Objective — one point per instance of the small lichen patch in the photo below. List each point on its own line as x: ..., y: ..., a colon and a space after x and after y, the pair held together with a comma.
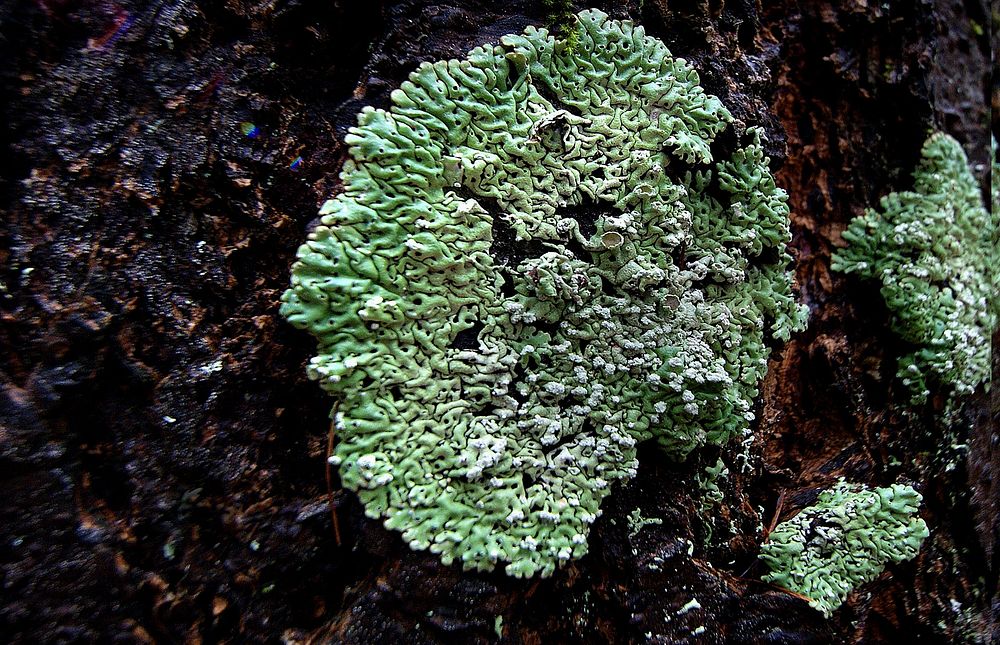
x: 537, y: 262
x: 637, y: 522
x: 843, y: 541
x: 995, y: 227
x: 710, y: 496
x: 690, y: 605
x: 932, y: 249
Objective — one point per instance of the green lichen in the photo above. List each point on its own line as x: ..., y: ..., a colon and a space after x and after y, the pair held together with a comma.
x: 637, y: 522
x: 843, y: 541
x: 708, y: 483
x: 536, y: 263
x: 932, y: 248
x: 995, y: 225
x: 710, y: 496
x: 994, y: 178
x: 561, y: 22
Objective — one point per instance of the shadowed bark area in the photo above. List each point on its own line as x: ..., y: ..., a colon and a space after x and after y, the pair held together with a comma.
x: 163, y: 453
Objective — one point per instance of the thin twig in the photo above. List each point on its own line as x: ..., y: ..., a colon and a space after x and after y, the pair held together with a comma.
x: 767, y: 534
x: 777, y: 514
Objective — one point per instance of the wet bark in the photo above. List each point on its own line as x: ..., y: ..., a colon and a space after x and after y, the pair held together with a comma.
x: 163, y: 454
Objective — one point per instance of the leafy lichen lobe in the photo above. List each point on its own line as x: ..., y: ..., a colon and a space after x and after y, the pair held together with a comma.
x: 536, y: 263
x: 932, y: 249
x: 843, y: 541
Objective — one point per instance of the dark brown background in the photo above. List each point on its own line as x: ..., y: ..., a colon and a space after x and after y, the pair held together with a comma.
x: 162, y: 453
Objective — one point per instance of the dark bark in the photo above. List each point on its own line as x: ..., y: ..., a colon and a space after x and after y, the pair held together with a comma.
x: 163, y: 453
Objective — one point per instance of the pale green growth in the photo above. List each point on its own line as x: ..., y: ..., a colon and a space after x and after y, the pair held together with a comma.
x: 535, y: 264
x: 708, y: 483
x: 710, y: 496
x: 995, y: 225
x: 994, y: 178
x: 845, y: 540
x: 932, y: 249
x: 637, y: 522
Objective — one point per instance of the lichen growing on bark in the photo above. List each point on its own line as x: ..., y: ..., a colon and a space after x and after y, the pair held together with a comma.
x: 933, y: 249
x: 843, y: 541
x: 995, y: 228
x: 536, y: 263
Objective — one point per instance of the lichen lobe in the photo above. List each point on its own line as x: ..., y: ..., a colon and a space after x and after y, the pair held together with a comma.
x: 843, y: 541
x: 932, y: 249
x: 590, y: 335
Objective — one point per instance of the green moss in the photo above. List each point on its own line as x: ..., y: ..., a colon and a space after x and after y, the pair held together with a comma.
x: 844, y: 541
x: 932, y: 249
x: 561, y: 23
x: 516, y: 286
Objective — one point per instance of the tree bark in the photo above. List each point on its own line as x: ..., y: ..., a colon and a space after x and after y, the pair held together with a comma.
x: 163, y: 454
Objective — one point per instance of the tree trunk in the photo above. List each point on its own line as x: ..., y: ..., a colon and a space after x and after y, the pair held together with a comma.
x: 164, y: 454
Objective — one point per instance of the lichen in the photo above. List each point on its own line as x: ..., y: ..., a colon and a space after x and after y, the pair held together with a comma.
x: 843, y: 541
x: 932, y: 249
x: 536, y: 263
x: 637, y: 522
x: 710, y: 496
x: 995, y: 226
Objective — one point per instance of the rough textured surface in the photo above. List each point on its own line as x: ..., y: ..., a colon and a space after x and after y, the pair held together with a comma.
x: 843, y: 541
x: 163, y: 452
x: 844, y: 64
x: 517, y: 286
x: 933, y: 251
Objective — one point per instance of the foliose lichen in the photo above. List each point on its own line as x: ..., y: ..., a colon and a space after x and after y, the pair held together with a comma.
x: 995, y: 226
x: 536, y: 263
x: 843, y: 541
x: 932, y: 249
x: 710, y: 496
